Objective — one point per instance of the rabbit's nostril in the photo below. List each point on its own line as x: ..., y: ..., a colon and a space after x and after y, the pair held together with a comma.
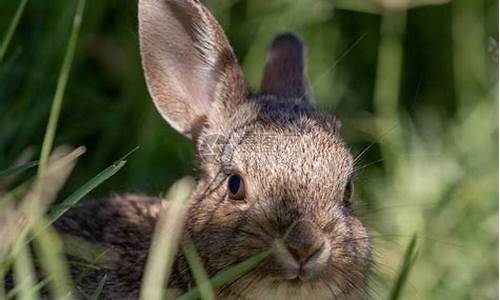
x: 302, y: 252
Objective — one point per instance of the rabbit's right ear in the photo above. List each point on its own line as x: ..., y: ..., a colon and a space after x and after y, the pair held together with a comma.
x: 188, y: 62
x: 284, y: 74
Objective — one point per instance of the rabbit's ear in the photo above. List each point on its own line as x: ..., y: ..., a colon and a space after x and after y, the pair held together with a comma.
x: 188, y: 62
x: 284, y: 72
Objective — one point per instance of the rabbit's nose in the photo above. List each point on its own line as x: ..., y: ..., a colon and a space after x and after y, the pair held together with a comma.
x: 302, y: 260
x: 304, y: 241
x: 302, y: 251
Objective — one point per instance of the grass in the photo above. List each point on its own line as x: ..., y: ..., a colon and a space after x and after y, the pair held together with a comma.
x: 12, y: 29
x: 402, y: 278
x: 166, y: 239
x: 200, y: 275
x: 50, y: 132
x: 415, y: 86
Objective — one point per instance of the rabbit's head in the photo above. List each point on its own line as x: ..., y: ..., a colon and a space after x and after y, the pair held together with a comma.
x: 271, y: 167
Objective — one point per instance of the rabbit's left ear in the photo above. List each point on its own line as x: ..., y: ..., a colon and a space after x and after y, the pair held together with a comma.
x: 284, y: 74
x: 188, y: 62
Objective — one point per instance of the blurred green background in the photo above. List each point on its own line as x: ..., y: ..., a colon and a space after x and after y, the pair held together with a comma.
x: 414, y: 82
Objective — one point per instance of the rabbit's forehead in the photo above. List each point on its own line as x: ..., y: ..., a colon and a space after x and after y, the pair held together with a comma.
x: 280, y: 141
x: 296, y: 155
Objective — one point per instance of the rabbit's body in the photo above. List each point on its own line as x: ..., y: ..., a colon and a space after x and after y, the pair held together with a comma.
x: 119, y: 231
x: 271, y: 167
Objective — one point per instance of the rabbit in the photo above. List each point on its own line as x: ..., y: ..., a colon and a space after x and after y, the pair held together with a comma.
x: 270, y: 166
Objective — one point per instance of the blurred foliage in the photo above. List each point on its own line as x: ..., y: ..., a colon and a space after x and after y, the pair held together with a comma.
x: 416, y: 89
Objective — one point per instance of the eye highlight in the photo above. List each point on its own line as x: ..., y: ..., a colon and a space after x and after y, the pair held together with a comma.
x: 236, y: 187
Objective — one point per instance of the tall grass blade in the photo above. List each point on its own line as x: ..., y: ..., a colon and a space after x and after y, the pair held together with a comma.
x: 230, y: 274
x: 50, y: 132
x: 25, y: 276
x: 199, y: 273
x: 168, y: 233
x: 404, y: 271
x: 12, y: 28
x: 20, y: 215
x: 52, y: 258
x: 32, y: 209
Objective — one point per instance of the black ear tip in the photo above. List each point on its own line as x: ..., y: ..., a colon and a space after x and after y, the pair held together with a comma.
x: 288, y: 40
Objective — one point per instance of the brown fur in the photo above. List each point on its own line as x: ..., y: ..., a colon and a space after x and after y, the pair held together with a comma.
x: 291, y: 157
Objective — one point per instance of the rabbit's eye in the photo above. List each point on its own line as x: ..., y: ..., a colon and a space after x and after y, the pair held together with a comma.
x: 236, y: 187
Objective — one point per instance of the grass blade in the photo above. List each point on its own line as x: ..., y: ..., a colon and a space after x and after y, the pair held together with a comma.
x: 199, y: 273
x: 18, y: 169
x: 230, y: 274
x: 166, y: 238
x: 55, y: 110
x: 48, y: 246
x: 73, y: 199
x: 404, y: 271
x: 90, y: 185
x: 12, y: 28
x: 237, y: 270
x: 24, y: 274
x: 19, y: 216
x: 52, y: 258
x: 56, y: 212
x: 29, y: 213
x: 98, y: 291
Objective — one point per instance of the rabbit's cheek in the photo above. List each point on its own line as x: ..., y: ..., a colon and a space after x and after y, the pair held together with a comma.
x: 351, y: 255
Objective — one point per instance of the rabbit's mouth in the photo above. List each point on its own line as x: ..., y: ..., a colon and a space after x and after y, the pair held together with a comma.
x: 295, y: 289
x: 315, y: 272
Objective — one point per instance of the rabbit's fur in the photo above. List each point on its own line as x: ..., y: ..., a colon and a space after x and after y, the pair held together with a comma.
x: 296, y: 170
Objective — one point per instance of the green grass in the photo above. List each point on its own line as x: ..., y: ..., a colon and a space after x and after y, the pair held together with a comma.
x: 12, y: 28
x: 404, y: 271
x: 166, y: 239
x: 417, y: 88
x: 50, y: 132
x: 200, y: 275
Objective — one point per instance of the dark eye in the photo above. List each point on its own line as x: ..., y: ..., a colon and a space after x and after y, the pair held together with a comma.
x: 236, y: 187
x: 348, y: 192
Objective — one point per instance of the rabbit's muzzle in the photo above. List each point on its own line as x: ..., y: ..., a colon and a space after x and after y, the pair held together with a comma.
x: 304, y: 254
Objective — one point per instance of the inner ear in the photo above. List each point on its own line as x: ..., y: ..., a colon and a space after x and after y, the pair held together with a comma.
x: 284, y: 71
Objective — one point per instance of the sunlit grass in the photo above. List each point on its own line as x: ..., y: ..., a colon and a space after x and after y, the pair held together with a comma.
x: 200, y: 275
x: 165, y: 241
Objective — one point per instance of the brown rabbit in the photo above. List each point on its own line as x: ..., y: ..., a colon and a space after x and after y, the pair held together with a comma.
x: 270, y: 163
